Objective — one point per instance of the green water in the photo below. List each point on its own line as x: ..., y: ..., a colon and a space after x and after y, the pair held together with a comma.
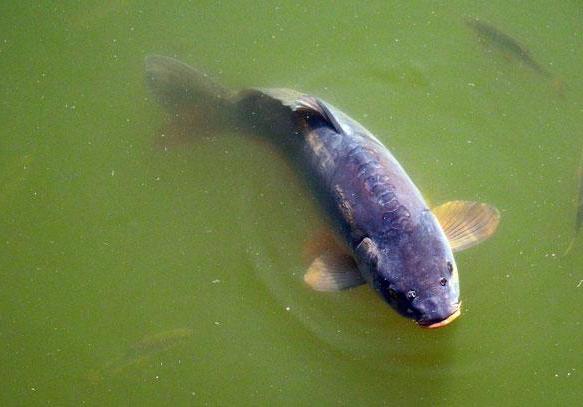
x: 107, y: 237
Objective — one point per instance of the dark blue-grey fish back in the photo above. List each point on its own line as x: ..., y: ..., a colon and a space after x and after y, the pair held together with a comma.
x: 390, y: 237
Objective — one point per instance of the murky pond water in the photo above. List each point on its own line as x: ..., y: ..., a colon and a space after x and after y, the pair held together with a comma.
x: 141, y: 270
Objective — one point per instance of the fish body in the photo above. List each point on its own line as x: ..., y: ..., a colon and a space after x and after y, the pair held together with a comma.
x: 579, y: 205
x: 140, y: 352
x: 395, y: 240
x: 390, y: 238
x: 159, y: 342
x: 579, y: 216
x: 506, y: 44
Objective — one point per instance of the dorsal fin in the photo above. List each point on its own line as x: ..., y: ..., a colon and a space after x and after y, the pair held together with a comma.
x: 314, y: 106
x: 287, y: 97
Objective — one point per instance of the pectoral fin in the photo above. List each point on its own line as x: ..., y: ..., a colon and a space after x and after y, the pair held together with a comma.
x: 467, y: 223
x: 333, y: 271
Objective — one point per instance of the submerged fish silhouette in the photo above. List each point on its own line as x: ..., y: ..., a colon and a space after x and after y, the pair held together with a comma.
x: 506, y: 44
x: 389, y: 237
x: 140, y: 352
x: 579, y: 204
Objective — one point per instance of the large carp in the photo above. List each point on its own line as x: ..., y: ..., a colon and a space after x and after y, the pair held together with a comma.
x: 388, y: 235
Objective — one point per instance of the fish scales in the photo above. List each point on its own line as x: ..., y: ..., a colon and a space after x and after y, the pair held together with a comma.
x: 366, y: 173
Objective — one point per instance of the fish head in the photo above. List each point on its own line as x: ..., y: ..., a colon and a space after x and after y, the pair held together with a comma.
x: 414, y: 272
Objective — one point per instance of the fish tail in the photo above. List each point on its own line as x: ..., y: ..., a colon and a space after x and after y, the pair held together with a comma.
x: 190, y: 96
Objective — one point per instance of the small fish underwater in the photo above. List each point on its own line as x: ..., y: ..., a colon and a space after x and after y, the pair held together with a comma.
x: 579, y: 204
x: 512, y: 49
x: 385, y: 234
x: 140, y: 352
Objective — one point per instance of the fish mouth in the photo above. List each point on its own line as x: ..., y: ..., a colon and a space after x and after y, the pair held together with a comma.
x: 443, y: 322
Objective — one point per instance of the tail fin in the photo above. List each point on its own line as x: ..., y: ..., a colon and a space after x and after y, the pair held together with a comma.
x: 185, y: 92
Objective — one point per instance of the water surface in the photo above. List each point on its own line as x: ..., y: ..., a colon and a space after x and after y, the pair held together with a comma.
x: 109, y: 238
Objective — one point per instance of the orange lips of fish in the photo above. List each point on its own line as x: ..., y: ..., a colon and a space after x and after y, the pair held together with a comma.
x: 447, y: 320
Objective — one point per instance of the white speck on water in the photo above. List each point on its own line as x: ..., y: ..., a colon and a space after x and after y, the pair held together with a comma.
x: 112, y: 173
x: 33, y: 388
x: 217, y: 323
x: 216, y: 281
x: 471, y: 84
x: 157, y: 178
x: 507, y: 275
x: 580, y: 283
x: 287, y: 308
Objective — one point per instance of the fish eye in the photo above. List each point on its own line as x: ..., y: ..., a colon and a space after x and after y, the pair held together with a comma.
x: 449, y: 267
x: 411, y: 295
x: 443, y: 281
